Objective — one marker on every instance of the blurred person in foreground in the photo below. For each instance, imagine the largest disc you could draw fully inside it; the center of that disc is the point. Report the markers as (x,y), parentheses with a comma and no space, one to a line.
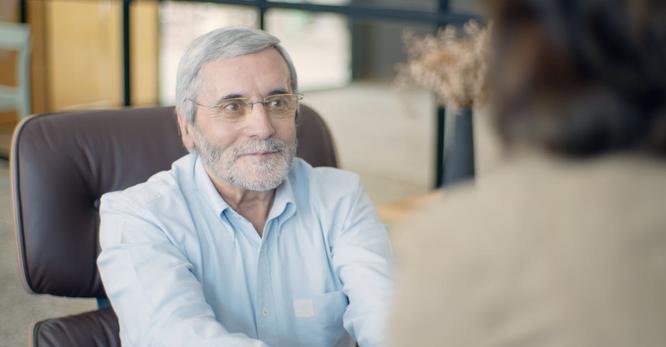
(564,244)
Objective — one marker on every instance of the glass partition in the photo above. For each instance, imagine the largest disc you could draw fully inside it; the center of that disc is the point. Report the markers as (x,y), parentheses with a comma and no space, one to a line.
(180,23)
(319,45)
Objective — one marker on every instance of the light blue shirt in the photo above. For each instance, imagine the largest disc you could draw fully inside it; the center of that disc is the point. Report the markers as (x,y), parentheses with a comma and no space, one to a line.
(182,268)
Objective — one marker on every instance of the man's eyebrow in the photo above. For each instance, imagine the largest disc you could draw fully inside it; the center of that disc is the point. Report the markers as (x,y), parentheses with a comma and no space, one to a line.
(237,96)
(278,91)
(231,96)
(227,97)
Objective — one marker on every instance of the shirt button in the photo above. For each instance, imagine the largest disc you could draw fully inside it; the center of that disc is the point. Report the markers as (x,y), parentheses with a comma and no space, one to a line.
(265,312)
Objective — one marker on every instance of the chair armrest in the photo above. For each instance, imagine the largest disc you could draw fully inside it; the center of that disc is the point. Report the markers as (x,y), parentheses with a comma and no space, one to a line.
(95,329)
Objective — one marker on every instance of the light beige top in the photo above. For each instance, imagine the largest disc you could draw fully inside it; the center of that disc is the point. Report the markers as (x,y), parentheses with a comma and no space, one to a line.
(538,253)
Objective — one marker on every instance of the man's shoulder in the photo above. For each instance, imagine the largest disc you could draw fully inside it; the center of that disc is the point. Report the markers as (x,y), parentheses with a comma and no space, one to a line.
(162,186)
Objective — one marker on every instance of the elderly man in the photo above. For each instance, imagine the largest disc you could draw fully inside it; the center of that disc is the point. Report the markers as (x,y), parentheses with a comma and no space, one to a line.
(240,243)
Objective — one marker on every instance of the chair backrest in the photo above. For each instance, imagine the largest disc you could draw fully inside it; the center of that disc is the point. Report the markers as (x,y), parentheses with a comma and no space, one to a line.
(16,37)
(62,163)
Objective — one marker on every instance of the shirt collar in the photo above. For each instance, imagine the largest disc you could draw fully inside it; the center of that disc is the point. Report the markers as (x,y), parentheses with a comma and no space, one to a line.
(283,201)
(207,189)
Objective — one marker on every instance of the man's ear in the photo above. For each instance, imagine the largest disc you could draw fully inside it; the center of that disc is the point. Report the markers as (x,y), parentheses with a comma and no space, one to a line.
(185,132)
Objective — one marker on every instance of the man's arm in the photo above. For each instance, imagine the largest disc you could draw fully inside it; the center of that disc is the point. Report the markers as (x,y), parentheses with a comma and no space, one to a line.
(148,279)
(362,257)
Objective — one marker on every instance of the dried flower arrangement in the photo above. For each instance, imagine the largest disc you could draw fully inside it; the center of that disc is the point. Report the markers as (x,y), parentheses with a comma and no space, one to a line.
(452,63)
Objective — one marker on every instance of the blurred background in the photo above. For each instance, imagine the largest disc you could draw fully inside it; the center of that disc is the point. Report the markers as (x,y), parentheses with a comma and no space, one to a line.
(95,54)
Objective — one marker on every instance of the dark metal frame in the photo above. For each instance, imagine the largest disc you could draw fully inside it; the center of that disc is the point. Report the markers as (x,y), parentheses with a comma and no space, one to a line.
(443,16)
(127,62)
(23,11)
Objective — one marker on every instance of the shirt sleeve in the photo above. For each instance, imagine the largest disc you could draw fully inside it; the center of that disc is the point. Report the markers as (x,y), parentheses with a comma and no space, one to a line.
(363,259)
(148,279)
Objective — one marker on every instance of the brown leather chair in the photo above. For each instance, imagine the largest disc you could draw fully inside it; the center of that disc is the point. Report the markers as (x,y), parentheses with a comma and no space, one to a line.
(61,164)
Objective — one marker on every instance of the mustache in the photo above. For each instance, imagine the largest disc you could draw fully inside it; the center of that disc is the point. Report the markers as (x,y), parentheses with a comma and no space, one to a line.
(259,146)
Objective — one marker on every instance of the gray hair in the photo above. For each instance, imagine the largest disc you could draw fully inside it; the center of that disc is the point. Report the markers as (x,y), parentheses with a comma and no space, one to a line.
(218,44)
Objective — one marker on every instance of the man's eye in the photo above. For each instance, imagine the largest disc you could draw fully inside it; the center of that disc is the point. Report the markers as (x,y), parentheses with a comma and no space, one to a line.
(232,107)
(276,103)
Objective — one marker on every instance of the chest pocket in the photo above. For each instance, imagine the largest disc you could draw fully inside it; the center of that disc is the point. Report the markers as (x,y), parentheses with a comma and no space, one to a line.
(319,318)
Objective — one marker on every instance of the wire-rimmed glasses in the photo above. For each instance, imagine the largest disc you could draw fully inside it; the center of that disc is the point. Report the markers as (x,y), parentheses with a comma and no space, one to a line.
(277,106)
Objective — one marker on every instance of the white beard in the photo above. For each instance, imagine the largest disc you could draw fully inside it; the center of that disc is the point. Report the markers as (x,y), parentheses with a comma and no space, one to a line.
(247,172)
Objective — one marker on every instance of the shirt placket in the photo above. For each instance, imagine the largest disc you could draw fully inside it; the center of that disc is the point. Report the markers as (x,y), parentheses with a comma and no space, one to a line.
(266,307)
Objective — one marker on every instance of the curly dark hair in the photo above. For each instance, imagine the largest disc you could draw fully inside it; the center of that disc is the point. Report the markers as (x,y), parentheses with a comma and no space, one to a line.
(580,77)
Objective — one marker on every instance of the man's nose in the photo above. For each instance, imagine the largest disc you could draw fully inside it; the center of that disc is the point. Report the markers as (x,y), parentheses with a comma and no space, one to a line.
(259,122)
